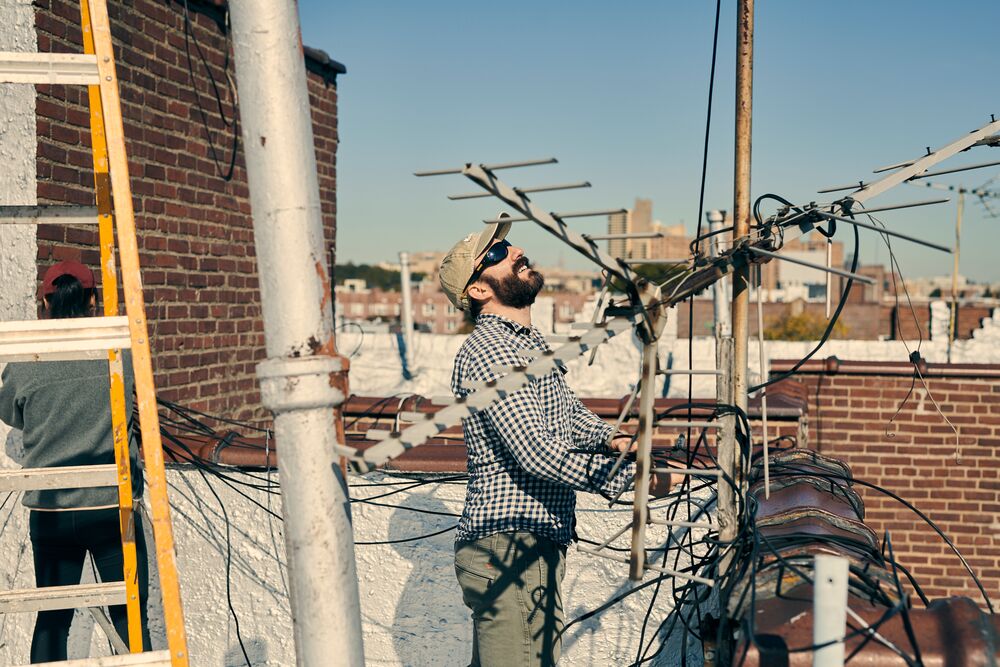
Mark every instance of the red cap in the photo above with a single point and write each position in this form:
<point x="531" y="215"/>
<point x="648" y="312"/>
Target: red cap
<point x="68" y="268"/>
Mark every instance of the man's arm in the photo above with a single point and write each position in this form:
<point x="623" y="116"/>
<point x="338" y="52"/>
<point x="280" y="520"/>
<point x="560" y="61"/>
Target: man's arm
<point x="589" y="430"/>
<point x="520" y="422"/>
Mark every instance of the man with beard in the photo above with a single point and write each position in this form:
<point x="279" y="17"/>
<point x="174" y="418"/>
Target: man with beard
<point x="524" y="460"/>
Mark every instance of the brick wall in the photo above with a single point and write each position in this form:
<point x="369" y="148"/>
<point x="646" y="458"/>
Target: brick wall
<point x="194" y="225"/>
<point x="851" y="418"/>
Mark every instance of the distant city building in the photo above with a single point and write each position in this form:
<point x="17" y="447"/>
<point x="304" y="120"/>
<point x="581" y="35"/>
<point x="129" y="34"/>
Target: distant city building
<point x="371" y="307"/>
<point x="376" y="310"/>
<point x="618" y="224"/>
<point x="576" y="281"/>
<point x="637" y="220"/>
<point x="426" y="262"/>
<point x="641" y="222"/>
<point x="786" y="281"/>
<point x="673" y="242"/>
<point x="940" y="287"/>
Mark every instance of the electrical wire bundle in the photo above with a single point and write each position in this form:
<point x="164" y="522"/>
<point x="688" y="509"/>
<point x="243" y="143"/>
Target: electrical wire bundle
<point x="180" y="425"/>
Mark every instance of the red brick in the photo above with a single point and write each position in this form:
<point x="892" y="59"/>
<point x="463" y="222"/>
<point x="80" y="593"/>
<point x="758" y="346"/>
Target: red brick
<point x="195" y="229"/>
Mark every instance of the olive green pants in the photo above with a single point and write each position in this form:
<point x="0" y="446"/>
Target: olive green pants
<point x="512" y="583"/>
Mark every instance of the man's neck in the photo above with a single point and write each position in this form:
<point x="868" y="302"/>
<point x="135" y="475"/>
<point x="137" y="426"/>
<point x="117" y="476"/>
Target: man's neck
<point x="520" y="315"/>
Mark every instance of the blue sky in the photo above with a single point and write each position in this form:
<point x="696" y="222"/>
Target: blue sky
<point x="618" y="91"/>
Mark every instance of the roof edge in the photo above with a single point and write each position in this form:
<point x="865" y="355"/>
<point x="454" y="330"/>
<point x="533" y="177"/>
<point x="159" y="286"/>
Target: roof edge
<point x="319" y="61"/>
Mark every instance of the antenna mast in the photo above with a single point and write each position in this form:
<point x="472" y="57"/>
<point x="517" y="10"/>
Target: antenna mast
<point x="729" y="459"/>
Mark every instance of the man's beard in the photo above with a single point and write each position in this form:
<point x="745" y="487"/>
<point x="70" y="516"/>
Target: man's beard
<point x="514" y="291"/>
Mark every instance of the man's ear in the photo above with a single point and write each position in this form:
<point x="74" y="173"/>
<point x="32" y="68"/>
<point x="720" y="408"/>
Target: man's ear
<point x="479" y="290"/>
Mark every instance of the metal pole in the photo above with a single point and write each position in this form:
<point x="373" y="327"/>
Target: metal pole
<point x="727" y="442"/>
<point x="829" y="610"/>
<point x="721" y="301"/>
<point x="729" y="456"/>
<point x="406" y="305"/>
<point x="303" y="381"/>
<point x="763" y="378"/>
<point x="643" y="459"/>
<point x="829" y="278"/>
<point x="954" y="274"/>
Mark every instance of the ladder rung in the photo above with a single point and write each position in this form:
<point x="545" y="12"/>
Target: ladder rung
<point x="48" y="215"/>
<point x="65" y="477"/>
<point x="148" y="659"/>
<point x="63" y="339"/>
<point x="63" y="597"/>
<point x="48" y="68"/>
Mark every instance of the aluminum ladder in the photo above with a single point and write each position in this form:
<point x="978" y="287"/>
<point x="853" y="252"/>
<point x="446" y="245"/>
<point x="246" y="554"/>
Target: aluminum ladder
<point x="98" y="338"/>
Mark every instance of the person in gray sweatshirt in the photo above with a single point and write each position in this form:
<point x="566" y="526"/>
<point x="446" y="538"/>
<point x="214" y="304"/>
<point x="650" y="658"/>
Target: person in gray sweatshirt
<point x="64" y="411"/>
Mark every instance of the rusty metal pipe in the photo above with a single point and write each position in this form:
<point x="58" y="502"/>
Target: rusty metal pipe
<point x="729" y="452"/>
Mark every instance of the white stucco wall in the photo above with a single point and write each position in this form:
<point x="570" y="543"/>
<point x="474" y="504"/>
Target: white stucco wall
<point x="17" y="267"/>
<point x="376" y="370"/>
<point x="17" y="177"/>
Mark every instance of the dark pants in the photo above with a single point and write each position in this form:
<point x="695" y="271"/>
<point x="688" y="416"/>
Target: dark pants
<point x="60" y="541"/>
<point x="512" y="582"/>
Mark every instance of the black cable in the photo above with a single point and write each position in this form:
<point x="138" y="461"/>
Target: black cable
<point x="907" y="625"/>
<point x="189" y="36"/>
<point x="611" y="603"/>
<point x="891" y="611"/>
<point x="409" y="539"/>
<point x="697" y="249"/>
<point x="695" y="243"/>
<point x="229" y="563"/>
<point x="777" y="198"/>
<point x="829" y="327"/>
<point x="418" y="510"/>
<point x="792" y="470"/>
<point x="408" y="487"/>
<point x="186" y="411"/>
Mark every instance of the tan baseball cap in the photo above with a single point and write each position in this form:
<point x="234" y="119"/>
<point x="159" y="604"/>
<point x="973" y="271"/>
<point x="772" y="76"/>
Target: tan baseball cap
<point x="458" y="265"/>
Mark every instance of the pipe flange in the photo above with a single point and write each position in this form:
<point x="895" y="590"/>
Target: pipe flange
<point x="302" y="383"/>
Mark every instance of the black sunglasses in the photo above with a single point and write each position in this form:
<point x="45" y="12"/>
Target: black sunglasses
<point x="496" y="254"/>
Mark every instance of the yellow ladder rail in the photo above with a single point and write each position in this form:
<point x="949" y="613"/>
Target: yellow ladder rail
<point x="128" y="251"/>
<point x="109" y="285"/>
<point x="95" y="338"/>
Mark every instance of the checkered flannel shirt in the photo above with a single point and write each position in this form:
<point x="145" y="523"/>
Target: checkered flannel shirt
<point x="522" y="474"/>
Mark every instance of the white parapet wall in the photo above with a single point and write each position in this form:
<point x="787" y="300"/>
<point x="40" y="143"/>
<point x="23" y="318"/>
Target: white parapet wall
<point x="18" y="149"/>
<point x="376" y="368"/>
<point x="18" y="277"/>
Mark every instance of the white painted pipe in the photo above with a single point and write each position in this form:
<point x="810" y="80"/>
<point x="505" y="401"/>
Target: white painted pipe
<point x="303" y="381"/>
<point x="719" y="291"/>
<point x="406" y="306"/>
<point x="829" y="610"/>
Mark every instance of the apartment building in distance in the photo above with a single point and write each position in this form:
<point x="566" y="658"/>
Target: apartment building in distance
<point x="375" y="309"/>
<point x="672" y="240"/>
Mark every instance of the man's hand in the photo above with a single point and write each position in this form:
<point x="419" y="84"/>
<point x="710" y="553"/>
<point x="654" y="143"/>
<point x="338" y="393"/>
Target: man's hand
<point x="660" y="483"/>
<point x="624" y="442"/>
